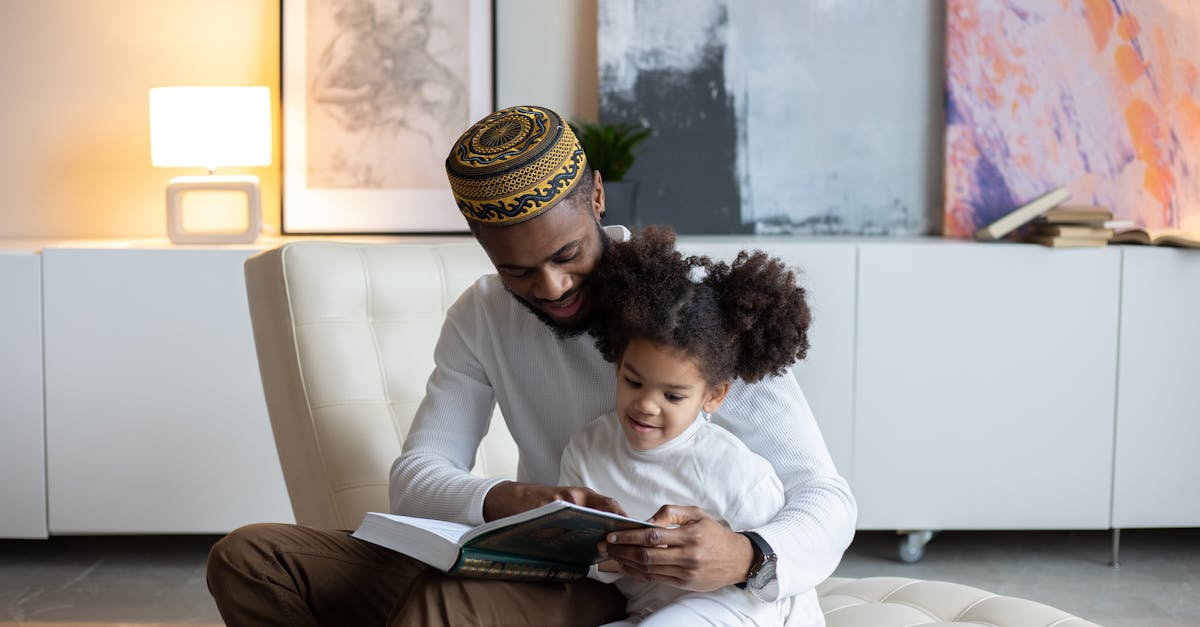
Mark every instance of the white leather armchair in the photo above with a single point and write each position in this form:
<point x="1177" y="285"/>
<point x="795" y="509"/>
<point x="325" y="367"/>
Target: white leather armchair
<point x="345" y="336"/>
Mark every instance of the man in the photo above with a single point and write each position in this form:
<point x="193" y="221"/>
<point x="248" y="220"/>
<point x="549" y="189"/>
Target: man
<point x="516" y="339"/>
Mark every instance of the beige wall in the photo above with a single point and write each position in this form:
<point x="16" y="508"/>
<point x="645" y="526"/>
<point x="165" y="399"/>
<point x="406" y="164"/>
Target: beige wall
<point x="75" y="158"/>
<point x="74" y="138"/>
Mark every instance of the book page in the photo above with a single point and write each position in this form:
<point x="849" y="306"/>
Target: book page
<point x="451" y="531"/>
<point x="1161" y="237"/>
<point x="1174" y="237"/>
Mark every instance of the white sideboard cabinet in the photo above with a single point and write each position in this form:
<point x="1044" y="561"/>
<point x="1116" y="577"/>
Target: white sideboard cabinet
<point x="1156" y="482"/>
<point x="985" y="386"/>
<point x="155" y="418"/>
<point x="958" y="385"/>
<point x="22" y="447"/>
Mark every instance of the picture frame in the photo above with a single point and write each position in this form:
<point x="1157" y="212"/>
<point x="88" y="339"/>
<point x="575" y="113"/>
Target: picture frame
<point x="374" y="93"/>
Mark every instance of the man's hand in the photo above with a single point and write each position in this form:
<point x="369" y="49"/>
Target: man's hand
<point x="510" y="497"/>
<point x="700" y="554"/>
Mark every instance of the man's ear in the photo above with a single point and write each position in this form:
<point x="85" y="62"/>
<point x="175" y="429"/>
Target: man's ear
<point x="716" y="396"/>
<point x="597" y="194"/>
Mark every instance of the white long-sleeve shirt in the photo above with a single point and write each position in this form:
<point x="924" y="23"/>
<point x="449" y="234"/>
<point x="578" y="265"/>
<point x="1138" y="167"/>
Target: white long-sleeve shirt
<point x="704" y="466"/>
<point x="493" y="350"/>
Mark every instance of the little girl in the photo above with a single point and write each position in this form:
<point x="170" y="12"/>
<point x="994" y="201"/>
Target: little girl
<point x="679" y="331"/>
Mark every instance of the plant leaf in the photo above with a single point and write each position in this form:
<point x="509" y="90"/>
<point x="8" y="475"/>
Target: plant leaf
<point x="611" y="148"/>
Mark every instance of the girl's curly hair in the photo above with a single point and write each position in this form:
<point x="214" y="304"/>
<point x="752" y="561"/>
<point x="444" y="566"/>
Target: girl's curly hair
<point x="746" y="320"/>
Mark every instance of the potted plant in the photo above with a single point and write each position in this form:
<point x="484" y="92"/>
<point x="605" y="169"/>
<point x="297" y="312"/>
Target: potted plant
<point x="611" y="150"/>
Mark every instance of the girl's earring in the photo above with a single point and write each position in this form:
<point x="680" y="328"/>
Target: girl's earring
<point x="705" y="415"/>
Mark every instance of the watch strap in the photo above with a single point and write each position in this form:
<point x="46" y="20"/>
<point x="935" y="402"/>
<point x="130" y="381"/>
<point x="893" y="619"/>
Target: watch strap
<point x="760" y="556"/>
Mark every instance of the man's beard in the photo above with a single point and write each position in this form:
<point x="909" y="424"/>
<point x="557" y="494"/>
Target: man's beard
<point x="581" y="327"/>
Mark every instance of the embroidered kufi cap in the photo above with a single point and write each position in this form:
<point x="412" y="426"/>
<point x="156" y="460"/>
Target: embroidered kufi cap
<point x="513" y="165"/>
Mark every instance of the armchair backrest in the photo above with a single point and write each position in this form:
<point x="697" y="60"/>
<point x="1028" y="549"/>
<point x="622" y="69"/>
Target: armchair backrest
<point x="345" y="336"/>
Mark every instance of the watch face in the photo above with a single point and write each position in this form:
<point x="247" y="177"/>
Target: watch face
<point x="764" y="575"/>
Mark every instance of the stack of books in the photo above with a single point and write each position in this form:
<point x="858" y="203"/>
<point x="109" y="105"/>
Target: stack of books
<point x="1073" y="226"/>
<point x="1046" y="220"/>
<point x="1021" y="216"/>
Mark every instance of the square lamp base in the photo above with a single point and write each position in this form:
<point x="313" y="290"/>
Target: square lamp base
<point x="214" y="209"/>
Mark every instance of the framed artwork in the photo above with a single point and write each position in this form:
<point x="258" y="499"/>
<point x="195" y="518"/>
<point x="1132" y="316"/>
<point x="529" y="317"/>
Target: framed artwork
<point x="374" y="93"/>
<point x="1100" y="96"/>
<point x="806" y="118"/>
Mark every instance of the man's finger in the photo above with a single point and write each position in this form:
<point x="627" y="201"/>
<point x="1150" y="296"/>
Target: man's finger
<point x="650" y="537"/>
<point x="649" y="556"/>
<point x="606" y="503"/>
<point x="672" y="575"/>
<point x="669" y="515"/>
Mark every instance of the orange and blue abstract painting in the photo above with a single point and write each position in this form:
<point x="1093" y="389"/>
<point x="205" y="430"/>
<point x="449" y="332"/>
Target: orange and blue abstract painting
<point x="1102" y="96"/>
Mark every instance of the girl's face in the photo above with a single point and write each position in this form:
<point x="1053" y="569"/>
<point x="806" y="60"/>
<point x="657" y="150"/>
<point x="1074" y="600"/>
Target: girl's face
<point x="660" y="391"/>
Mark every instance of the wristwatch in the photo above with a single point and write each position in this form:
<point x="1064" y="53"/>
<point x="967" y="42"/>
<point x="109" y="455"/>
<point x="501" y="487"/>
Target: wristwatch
<point x="762" y="569"/>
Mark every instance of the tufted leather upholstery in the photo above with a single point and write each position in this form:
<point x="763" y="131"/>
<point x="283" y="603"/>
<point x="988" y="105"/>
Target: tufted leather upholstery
<point x="903" y="602"/>
<point x="345" y="336"/>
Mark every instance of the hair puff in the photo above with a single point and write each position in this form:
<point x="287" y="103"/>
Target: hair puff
<point x="746" y="320"/>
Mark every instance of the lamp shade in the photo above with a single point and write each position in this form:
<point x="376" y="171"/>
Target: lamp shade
<point x="210" y="126"/>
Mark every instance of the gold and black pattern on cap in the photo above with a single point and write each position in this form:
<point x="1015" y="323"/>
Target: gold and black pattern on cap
<point x="513" y="165"/>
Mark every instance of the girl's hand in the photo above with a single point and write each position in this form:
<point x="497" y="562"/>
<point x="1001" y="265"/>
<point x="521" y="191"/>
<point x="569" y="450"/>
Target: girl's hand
<point x="608" y="566"/>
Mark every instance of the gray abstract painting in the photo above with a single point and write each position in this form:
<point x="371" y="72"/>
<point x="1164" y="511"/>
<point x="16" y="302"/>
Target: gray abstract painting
<point x="821" y="117"/>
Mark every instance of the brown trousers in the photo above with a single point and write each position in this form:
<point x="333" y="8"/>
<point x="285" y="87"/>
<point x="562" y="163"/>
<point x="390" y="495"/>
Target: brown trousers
<point x="274" y="574"/>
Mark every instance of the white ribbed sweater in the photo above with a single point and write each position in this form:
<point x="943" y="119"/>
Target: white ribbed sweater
<point x="492" y="350"/>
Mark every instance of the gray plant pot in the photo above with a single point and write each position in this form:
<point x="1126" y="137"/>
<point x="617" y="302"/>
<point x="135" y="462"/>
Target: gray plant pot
<point x="620" y="203"/>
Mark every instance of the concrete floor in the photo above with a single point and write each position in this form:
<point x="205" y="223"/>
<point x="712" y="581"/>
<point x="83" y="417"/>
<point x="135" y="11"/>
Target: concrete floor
<point x="119" y="579"/>
<point x="160" y="580"/>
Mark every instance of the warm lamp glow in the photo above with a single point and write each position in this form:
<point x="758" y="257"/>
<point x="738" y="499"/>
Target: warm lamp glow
<point x="210" y="127"/>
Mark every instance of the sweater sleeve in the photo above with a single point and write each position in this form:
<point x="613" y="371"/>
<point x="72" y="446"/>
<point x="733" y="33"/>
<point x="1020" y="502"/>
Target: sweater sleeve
<point x="570" y="473"/>
<point x="431" y="478"/>
<point x="816" y="523"/>
<point x="758" y="498"/>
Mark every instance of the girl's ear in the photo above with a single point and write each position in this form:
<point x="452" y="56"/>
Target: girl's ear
<point x="716" y="396"/>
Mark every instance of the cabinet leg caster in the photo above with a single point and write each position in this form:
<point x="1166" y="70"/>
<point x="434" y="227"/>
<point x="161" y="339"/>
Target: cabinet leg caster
<point x="912" y="545"/>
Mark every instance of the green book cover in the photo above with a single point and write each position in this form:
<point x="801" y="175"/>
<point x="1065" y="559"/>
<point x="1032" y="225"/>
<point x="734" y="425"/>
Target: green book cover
<point x="482" y="563"/>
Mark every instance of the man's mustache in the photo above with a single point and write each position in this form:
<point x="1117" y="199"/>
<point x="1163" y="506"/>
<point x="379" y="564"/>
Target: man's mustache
<point x="562" y="299"/>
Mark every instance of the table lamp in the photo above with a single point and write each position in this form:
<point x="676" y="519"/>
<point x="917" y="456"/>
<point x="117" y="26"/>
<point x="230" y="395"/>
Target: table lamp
<point x="211" y="127"/>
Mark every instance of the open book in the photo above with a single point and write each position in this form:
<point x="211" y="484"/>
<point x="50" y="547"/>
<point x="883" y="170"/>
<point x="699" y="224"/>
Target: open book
<point x="556" y="541"/>
<point x="1158" y="237"/>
